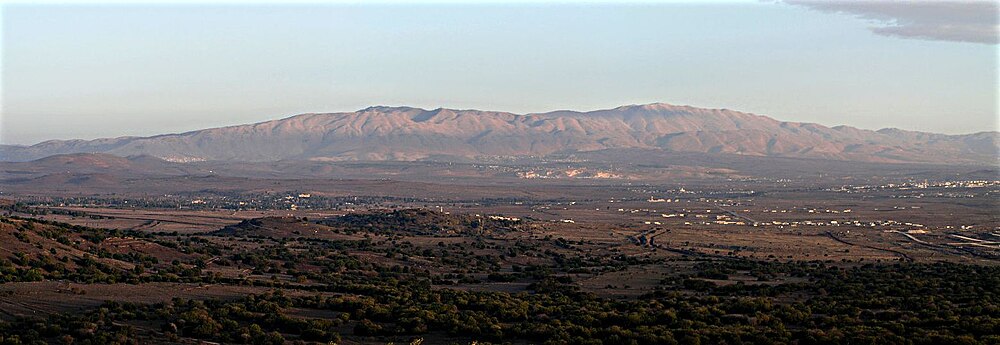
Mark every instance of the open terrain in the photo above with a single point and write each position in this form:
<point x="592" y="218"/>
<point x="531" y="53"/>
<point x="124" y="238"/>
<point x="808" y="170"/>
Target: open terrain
<point x="223" y="257"/>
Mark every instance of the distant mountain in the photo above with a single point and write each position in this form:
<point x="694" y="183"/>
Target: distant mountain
<point x="406" y="134"/>
<point x="98" y="163"/>
<point x="94" y="170"/>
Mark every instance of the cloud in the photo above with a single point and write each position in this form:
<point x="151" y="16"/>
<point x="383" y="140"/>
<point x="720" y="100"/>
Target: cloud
<point x="959" y="21"/>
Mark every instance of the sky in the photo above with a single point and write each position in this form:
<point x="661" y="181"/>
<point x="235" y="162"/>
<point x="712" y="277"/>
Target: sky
<point x="88" y="71"/>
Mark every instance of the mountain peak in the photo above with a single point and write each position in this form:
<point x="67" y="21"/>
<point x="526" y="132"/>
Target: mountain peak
<point x="650" y="107"/>
<point x="388" y="109"/>
<point x="409" y="133"/>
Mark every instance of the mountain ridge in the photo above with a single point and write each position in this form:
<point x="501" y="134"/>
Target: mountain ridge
<point x="409" y="133"/>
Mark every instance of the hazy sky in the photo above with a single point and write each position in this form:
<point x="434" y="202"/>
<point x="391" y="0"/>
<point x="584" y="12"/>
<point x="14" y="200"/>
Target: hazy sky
<point x="72" y="71"/>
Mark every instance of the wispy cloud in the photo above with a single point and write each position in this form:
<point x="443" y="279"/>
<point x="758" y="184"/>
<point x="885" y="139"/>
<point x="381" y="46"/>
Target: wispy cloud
<point x="960" y="21"/>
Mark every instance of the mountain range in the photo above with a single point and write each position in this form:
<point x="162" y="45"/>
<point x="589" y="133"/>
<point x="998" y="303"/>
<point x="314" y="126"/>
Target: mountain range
<point x="383" y="133"/>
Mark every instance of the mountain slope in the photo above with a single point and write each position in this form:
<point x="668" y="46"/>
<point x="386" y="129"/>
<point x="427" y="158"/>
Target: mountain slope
<point x="404" y="133"/>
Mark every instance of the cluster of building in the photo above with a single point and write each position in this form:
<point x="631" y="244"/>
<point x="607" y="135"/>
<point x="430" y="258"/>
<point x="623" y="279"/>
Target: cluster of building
<point x="568" y="173"/>
<point x="916" y="185"/>
<point x="225" y="201"/>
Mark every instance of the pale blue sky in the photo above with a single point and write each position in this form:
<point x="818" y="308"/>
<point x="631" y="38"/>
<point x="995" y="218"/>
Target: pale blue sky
<point x="74" y="71"/>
